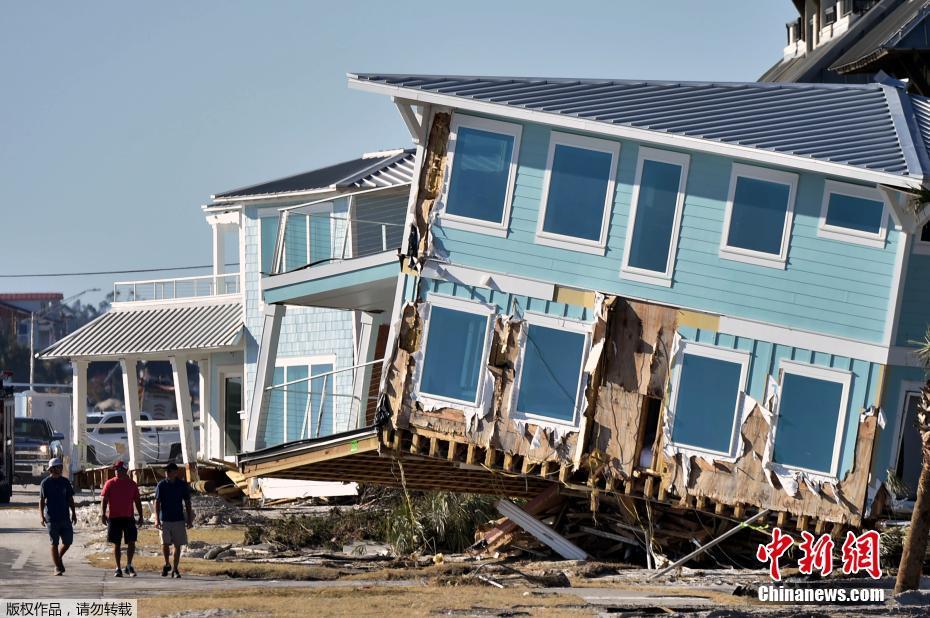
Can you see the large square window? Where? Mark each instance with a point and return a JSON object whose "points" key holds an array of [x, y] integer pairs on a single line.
{"points": [[551, 371], [577, 191], [853, 213], [758, 216], [707, 392], [655, 216], [482, 158], [455, 354], [811, 417]]}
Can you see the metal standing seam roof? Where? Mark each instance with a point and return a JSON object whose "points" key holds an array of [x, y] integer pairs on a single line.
{"points": [[885, 36], [848, 124], [147, 330], [376, 170]]}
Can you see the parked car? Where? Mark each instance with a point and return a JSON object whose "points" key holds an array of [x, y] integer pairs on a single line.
{"points": [[107, 440], [34, 443]]}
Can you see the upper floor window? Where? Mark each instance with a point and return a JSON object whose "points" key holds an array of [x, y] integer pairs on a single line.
{"points": [[457, 336], [757, 221], [706, 399], [655, 216], [482, 162], [577, 190], [853, 213], [268, 237], [551, 369], [811, 417]]}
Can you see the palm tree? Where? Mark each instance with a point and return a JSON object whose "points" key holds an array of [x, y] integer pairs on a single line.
{"points": [[915, 547]]}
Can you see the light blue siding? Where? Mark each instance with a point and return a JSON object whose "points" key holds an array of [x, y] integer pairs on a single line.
{"points": [[915, 317], [829, 286]]}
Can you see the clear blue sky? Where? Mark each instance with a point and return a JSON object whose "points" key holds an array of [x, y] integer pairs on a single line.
{"points": [[119, 119]]}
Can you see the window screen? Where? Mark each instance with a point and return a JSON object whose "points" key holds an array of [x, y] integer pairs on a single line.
{"points": [[480, 173], [454, 354], [855, 213], [577, 192], [808, 414], [655, 216], [551, 370], [757, 219], [705, 405]]}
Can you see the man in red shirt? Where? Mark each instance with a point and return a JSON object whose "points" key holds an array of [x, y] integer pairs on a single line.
{"points": [[120, 494]]}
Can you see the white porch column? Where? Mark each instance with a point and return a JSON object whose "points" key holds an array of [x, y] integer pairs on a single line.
{"points": [[362, 379], [182, 398], [209, 428], [129, 367], [78, 415], [219, 257], [264, 372]]}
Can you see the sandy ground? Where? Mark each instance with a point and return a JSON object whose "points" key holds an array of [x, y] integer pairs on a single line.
{"points": [[26, 571]]}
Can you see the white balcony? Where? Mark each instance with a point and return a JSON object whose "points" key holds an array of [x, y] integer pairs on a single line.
{"points": [[178, 288]]}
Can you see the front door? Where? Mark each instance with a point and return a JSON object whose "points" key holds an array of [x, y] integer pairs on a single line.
{"points": [[910, 455], [232, 421]]}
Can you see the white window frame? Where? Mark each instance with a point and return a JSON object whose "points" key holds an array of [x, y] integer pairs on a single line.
{"points": [[561, 241], [827, 374], [909, 388], [295, 361], [835, 232], [921, 247], [642, 275], [531, 319], [470, 224], [465, 306], [750, 256], [694, 348]]}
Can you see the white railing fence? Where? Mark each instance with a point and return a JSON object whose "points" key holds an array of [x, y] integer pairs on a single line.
{"points": [[179, 287]]}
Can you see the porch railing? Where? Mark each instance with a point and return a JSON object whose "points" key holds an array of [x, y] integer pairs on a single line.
{"points": [[180, 287], [310, 239]]}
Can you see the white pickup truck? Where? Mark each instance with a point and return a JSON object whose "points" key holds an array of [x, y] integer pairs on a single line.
{"points": [[107, 440]]}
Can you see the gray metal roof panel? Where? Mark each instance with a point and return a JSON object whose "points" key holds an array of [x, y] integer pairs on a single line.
{"points": [[884, 35], [153, 329], [788, 118]]}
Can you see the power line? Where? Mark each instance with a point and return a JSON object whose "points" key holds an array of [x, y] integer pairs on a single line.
{"points": [[112, 272]]}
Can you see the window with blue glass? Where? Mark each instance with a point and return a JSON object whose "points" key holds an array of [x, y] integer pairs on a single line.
{"points": [[308, 238], [811, 417], [578, 187], [655, 216], [853, 213], [707, 393], [300, 410], [268, 236], [482, 172], [758, 216], [454, 355], [550, 374]]}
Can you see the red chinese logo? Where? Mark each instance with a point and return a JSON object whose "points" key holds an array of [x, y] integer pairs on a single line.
{"points": [[859, 553], [771, 552], [817, 555]]}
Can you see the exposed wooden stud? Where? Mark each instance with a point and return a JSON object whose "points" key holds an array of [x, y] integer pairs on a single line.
{"points": [[738, 510], [565, 473], [719, 508], [415, 443], [433, 447], [453, 447], [803, 521], [508, 462], [782, 519], [470, 454], [490, 457], [544, 469]]}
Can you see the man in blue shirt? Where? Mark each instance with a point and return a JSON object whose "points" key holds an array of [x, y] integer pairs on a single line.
{"points": [[56, 496], [172, 495]]}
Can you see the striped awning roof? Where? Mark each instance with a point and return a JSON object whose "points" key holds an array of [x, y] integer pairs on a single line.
{"points": [[125, 331]]}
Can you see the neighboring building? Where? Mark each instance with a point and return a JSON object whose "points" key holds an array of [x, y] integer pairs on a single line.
{"points": [[690, 290], [17, 310], [208, 327], [851, 41]]}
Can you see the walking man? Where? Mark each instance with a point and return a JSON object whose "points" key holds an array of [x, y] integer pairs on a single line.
{"points": [[172, 498], [56, 496], [119, 494]]}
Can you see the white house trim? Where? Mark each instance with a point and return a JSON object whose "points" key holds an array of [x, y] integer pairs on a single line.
{"points": [[642, 275], [643, 135], [834, 232], [552, 239], [493, 281], [896, 293], [828, 374], [759, 258], [471, 224], [740, 357], [907, 389], [548, 321]]}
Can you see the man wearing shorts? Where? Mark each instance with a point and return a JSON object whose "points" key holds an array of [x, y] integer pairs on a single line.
{"points": [[56, 496], [119, 494], [172, 497]]}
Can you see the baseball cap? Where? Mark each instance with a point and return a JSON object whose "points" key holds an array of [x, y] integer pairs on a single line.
{"points": [[54, 461], [118, 464]]}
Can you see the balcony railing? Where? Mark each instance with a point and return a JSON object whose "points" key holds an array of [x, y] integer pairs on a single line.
{"points": [[181, 287], [313, 239]]}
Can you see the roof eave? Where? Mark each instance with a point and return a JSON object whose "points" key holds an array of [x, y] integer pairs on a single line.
{"points": [[638, 134]]}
